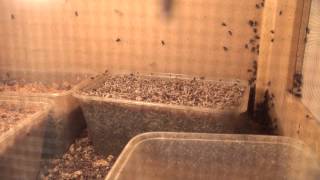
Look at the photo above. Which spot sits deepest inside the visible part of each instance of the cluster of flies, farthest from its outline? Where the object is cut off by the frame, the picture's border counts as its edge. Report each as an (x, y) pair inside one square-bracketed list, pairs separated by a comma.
[(254, 70), (253, 42), (269, 99), (298, 77), (253, 46), (297, 85)]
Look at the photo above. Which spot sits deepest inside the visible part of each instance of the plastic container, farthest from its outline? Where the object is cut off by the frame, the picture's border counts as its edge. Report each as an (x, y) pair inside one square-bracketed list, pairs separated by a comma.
[(67, 120), (21, 146), (113, 122), (188, 156)]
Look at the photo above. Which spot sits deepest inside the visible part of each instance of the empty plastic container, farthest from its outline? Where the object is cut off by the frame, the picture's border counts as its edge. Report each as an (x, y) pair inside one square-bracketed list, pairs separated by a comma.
[(113, 122), (21, 145), (66, 118), (188, 156)]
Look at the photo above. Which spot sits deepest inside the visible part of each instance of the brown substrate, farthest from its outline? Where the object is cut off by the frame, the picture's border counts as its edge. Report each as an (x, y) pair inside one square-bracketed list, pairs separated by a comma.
[(189, 92), (80, 162), (22, 86), (10, 115)]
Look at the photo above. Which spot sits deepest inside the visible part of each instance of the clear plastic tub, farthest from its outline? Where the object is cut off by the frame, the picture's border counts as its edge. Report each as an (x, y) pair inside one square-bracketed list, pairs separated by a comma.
[(188, 156), (113, 122), (67, 120), (21, 146)]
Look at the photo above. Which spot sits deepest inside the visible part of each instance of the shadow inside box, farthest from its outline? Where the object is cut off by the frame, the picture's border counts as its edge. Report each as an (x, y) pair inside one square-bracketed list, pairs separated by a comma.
[(79, 162), (257, 124)]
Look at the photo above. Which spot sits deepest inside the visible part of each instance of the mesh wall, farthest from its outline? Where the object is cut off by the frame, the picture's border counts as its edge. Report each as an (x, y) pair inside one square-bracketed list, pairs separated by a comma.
[(136, 35)]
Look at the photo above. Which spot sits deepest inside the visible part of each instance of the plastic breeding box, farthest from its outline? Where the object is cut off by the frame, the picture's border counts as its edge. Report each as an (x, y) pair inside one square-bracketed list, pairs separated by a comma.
[(188, 156), (21, 137), (67, 120), (112, 122)]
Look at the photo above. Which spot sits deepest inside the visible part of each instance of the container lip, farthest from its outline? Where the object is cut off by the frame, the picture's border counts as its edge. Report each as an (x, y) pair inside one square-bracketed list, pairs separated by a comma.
[(29, 94), (45, 107), (51, 95), (231, 138), (218, 137), (100, 78)]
